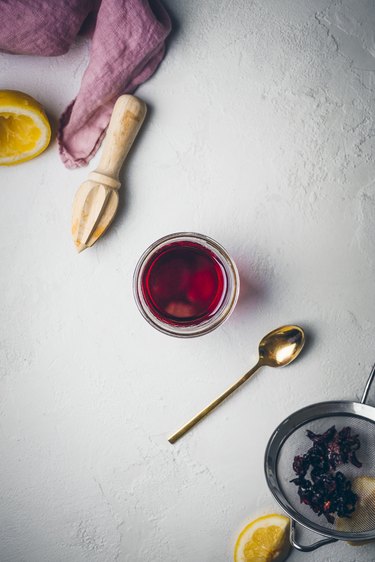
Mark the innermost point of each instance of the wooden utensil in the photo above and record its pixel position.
(96, 200)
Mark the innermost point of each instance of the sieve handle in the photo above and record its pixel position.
(305, 548)
(368, 385)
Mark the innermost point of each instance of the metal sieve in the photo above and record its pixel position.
(290, 439)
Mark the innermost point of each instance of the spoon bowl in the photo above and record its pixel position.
(281, 346)
(277, 349)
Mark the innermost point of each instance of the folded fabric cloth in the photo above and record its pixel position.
(128, 43)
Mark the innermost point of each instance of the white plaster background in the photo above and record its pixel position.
(260, 134)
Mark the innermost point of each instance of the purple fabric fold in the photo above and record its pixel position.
(128, 44)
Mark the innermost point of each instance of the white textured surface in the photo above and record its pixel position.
(260, 134)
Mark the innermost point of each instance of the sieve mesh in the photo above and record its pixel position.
(297, 443)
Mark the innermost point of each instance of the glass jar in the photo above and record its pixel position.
(185, 284)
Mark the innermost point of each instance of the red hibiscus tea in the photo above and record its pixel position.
(185, 284)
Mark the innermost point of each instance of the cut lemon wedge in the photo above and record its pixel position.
(363, 518)
(265, 539)
(24, 128)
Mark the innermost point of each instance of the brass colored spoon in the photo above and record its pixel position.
(277, 349)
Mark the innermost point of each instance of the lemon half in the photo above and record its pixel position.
(24, 128)
(265, 539)
(363, 518)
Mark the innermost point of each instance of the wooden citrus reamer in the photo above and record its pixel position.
(96, 201)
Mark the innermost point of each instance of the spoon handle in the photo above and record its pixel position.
(176, 436)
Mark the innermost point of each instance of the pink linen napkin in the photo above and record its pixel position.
(128, 43)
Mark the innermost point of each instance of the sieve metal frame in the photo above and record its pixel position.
(289, 425)
(299, 418)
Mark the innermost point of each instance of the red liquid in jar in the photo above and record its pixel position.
(184, 283)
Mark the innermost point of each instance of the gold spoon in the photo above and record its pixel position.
(277, 349)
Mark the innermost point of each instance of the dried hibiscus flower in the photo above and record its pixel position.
(327, 492)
